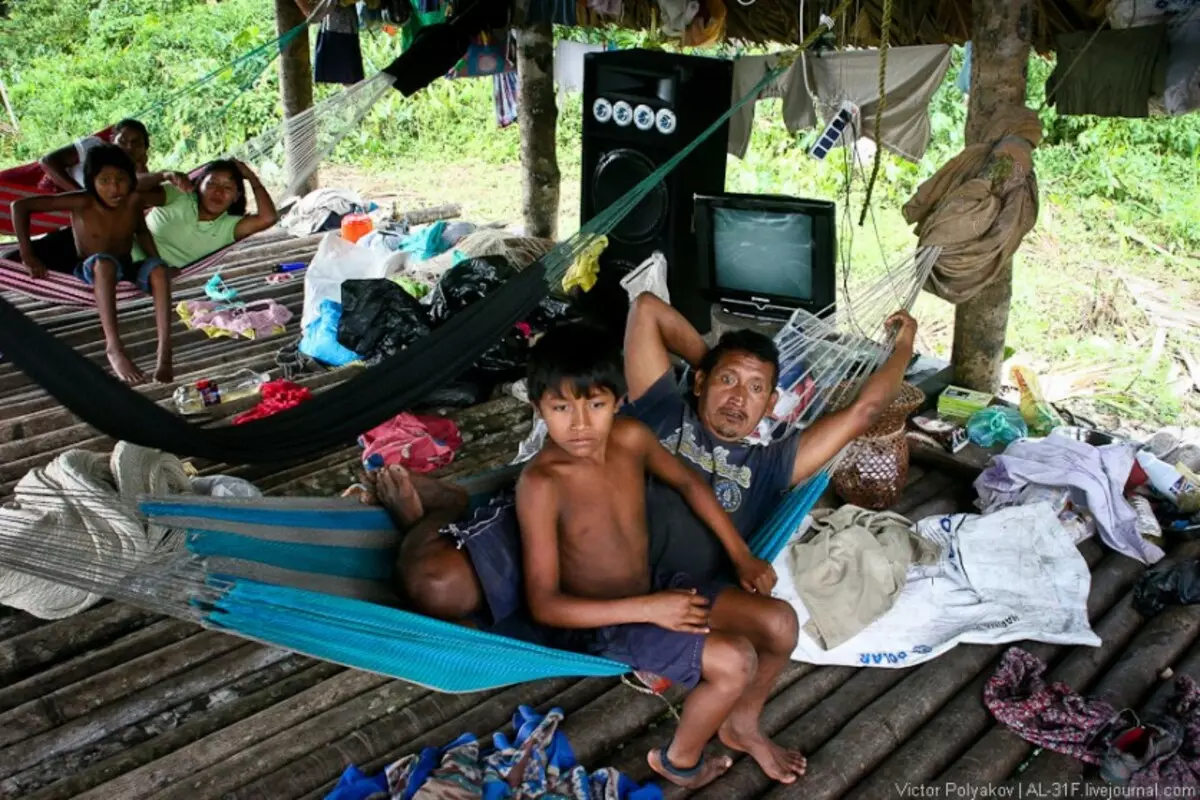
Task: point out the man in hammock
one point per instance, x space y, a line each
107 217
469 570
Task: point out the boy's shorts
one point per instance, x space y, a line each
137 273
647 647
492 539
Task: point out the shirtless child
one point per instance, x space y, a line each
106 218
581 507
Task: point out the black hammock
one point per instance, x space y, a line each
333 418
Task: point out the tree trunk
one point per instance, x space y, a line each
296 93
537 118
1001 31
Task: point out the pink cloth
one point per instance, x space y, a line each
421 444
259 319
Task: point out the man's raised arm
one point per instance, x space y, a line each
654 332
823 439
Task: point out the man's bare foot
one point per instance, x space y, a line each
124 368
779 763
704 773
395 492
164 373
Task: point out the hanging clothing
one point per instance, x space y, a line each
747 72
1110 74
609 8
963 81
983 589
1053 716
418 443
852 570
677 15
339 53
568 64
913 75
1096 475
978 218
504 95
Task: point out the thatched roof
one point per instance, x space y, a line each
913 21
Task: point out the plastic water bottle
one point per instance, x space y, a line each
196 398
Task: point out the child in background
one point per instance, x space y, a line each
106 219
581 507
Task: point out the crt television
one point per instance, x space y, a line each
766 255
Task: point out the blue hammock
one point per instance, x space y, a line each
312 575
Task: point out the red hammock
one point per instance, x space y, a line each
28 180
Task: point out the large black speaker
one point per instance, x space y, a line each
641 107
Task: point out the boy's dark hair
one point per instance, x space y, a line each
577 355
106 155
136 125
752 343
238 207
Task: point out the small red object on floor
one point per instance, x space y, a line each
278 395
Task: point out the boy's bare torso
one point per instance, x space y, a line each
100 229
602 540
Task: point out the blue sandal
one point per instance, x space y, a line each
682 774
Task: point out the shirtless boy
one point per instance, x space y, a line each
106 218
581 507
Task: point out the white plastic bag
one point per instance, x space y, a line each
338 260
650 276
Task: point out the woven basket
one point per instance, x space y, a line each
875 470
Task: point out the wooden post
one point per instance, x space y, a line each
537 118
1000 41
295 88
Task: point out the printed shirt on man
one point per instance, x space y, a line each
748 480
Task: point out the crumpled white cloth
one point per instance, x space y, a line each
1095 475
78 516
1004 577
309 214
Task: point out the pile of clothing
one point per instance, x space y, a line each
1159 751
537 763
870 589
369 300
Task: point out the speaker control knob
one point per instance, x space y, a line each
622 113
643 117
665 121
602 110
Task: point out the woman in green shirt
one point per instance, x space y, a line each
189 225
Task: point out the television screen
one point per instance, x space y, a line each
766 254
763 252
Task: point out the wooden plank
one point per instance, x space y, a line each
152 730
807 733
194 760
123 650
58 640
202 725
140 705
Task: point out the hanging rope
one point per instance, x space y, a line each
884 46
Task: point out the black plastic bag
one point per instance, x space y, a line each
1178 584
465 283
551 313
468 282
379 318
